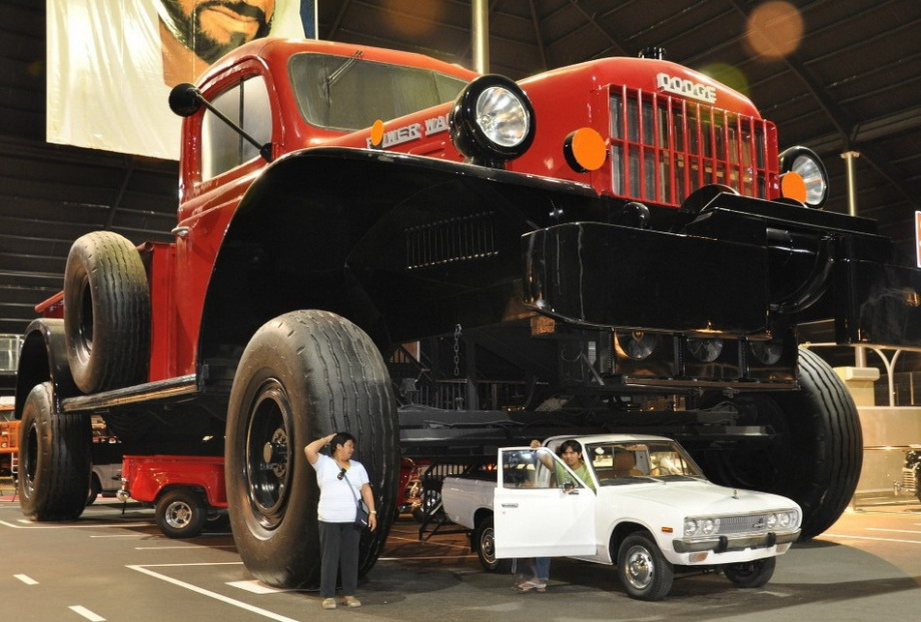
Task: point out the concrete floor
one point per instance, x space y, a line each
118 567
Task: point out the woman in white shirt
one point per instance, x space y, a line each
341 481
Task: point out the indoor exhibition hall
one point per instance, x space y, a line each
474 310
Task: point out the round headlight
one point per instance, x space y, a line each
809 167
502 116
784 519
708 526
690 527
635 344
705 350
771 521
492 120
766 352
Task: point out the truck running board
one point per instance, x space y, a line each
162 390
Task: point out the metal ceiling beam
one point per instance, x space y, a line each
615 44
537 36
334 29
841 120
872 130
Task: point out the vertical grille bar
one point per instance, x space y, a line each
663 148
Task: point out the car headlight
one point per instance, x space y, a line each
771 521
709 525
690 527
784 520
807 165
492 121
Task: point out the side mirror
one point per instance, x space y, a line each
568 487
185 100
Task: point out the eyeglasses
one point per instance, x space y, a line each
341 474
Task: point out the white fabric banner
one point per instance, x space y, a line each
112 63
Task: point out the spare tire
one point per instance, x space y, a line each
106 313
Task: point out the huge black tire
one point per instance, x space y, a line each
643 570
302 376
54 459
106 313
814 454
751 574
484 537
181 513
95 489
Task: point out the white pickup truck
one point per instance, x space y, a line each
653 512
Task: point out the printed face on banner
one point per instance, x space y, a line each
111 64
195 33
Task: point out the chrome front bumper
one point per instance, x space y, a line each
721 544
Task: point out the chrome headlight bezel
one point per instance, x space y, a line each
492 120
809 166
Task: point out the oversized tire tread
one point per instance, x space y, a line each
815 452
106 313
838 456
303 375
54 459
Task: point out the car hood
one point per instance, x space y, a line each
696 498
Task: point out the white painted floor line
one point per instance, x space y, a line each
190 547
86 613
429 542
26 579
125 535
396 559
224 599
893 530
31 525
189 564
834 535
257 587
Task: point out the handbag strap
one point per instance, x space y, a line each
345 476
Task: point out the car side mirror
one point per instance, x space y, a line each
568 487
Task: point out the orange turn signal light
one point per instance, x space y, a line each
584 150
792 186
377 133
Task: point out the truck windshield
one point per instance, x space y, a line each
625 463
348 93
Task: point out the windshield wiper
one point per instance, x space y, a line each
341 69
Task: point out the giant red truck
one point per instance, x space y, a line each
443 263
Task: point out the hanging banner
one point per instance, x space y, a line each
112 63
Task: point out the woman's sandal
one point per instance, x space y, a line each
329 603
527 586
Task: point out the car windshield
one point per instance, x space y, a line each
634 462
349 93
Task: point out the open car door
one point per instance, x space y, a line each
534 515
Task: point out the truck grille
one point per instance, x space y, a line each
664 148
456 239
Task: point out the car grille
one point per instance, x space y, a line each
742 524
664 148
